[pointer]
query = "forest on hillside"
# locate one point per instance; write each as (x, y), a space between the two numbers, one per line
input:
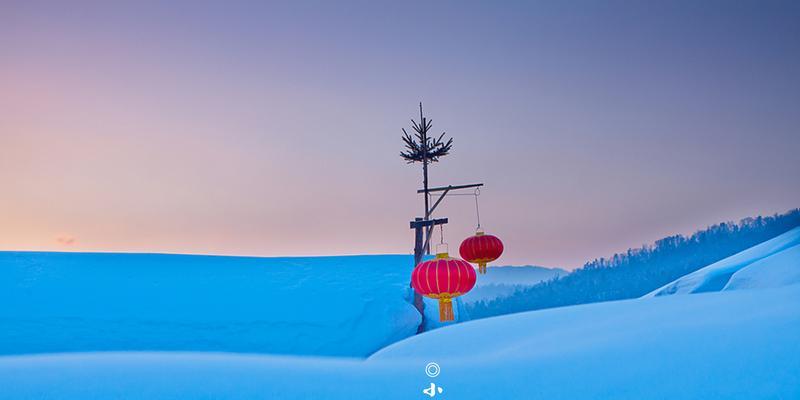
(637, 272)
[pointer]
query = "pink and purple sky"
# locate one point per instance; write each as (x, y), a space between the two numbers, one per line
(268, 129)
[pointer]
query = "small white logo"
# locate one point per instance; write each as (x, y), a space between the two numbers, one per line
(432, 390)
(432, 370)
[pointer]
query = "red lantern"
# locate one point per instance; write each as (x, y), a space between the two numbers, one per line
(481, 249)
(443, 278)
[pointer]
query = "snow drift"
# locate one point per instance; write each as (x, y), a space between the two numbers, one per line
(62, 302)
(773, 263)
(779, 269)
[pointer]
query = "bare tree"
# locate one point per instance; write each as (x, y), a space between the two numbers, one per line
(423, 148)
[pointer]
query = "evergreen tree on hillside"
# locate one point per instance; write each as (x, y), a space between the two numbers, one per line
(640, 271)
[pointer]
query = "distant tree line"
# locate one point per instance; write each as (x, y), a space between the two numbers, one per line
(640, 271)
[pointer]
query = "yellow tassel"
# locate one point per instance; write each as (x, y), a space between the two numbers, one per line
(482, 268)
(446, 309)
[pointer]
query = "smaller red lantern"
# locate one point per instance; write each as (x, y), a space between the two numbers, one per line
(443, 278)
(481, 249)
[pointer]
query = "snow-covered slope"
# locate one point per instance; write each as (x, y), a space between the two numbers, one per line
(497, 282)
(61, 302)
(732, 345)
(769, 264)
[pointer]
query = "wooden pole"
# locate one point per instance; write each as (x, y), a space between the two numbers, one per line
(419, 304)
(418, 224)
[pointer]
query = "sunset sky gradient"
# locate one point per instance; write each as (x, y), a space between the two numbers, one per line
(267, 129)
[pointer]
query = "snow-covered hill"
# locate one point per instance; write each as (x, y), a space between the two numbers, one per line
(773, 263)
(61, 302)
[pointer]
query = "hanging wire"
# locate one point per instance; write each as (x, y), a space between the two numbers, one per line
(476, 193)
(477, 209)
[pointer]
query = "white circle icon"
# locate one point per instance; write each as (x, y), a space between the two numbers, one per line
(432, 370)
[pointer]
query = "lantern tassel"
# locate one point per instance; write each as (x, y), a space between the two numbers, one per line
(482, 268)
(446, 309)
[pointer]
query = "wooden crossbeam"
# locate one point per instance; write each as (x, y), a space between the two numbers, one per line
(423, 223)
(451, 187)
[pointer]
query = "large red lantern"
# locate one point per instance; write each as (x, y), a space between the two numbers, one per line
(443, 278)
(481, 249)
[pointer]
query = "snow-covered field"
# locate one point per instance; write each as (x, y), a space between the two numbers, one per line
(343, 306)
(731, 344)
